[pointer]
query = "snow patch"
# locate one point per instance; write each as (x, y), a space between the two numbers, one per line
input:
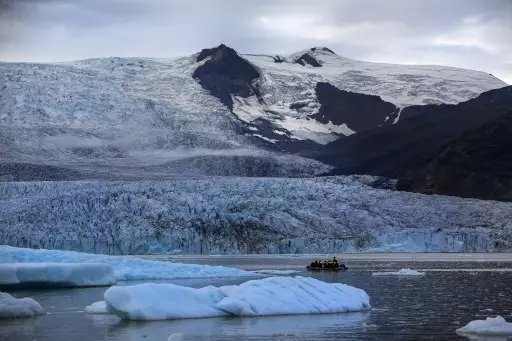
(269, 296)
(265, 138)
(56, 274)
(11, 307)
(490, 326)
(124, 267)
(97, 308)
(402, 272)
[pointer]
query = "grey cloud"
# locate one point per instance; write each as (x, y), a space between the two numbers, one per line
(465, 33)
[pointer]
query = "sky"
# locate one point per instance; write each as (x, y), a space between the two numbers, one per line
(473, 34)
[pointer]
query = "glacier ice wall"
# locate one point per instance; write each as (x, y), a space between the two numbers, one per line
(246, 215)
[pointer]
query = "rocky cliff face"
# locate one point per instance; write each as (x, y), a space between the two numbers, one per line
(477, 164)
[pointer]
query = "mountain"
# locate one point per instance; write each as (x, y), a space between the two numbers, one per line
(476, 164)
(217, 112)
(394, 149)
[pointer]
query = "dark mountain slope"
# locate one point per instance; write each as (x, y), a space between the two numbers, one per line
(225, 73)
(422, 130)
(477, 164)
(359, 112)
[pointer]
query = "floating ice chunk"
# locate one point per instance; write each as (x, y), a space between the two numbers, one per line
(369, 326)
(403, 272)
(11, 307)
(125, 267)
(276, 272)
(490, 326)
(56, 274)
(97, 308)
(175, 337)
(269, 296)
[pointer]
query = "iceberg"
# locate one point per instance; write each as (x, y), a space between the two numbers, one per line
(97, 308)
(490, 326)
(268, 296)
(402, 272)
(11, 307)
(56, 274)
(124, 267)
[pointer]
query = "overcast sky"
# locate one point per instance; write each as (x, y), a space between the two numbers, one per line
(475, 34)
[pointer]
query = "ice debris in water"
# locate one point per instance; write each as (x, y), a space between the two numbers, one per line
(97, 308)
(276, 272)
(490, 326)
(175, 337)
(268, 296)
(402, 272)
(11, 307)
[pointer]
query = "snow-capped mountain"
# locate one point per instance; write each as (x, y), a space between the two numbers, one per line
(216, 112)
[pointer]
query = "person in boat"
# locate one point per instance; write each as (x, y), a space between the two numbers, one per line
(335, 263)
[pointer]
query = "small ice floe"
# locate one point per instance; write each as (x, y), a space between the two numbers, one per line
(276, 272)
(369, 326)
(175, 337)
(268, 296)
(403, 272)
(97, 308)
(492, 326)
(11, 307)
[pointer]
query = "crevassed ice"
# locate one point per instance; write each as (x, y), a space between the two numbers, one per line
(269, 296)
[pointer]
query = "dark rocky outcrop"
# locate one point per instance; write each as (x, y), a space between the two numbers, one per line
(392, 150)
(477, 164)
(307, 59)
(225, 73)
(358, 111)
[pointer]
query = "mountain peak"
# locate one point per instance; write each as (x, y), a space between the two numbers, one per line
(322, 48)
(218, 52)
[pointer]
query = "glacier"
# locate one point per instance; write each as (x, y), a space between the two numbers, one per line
(148, 118)
(11, 307)
(224, 215)
(269, 296)
(94, 269)
(55, 274)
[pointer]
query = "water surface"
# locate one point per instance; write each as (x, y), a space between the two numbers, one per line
(428, 308)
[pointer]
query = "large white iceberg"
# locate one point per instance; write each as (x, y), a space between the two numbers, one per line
(124, 267)
(269, 296)
(490, 326)
(402, 272)
(11, 307)
(56, 274)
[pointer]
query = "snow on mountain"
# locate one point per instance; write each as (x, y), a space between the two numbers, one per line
(126, 118)
(247, 215)
(213, 113)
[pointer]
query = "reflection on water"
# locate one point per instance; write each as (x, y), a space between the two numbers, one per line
(429, 308)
